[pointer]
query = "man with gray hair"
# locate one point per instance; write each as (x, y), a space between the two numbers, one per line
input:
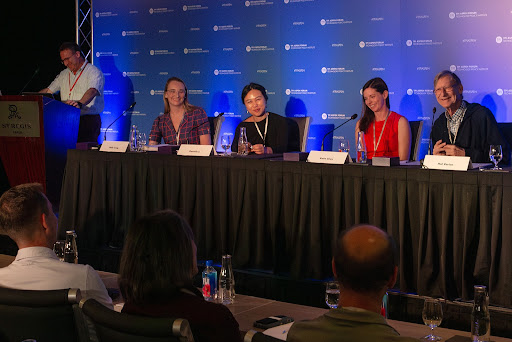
(365, 266)
(26, 216)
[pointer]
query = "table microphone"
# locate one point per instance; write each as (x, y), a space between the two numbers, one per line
(354, 116)
(127, 109)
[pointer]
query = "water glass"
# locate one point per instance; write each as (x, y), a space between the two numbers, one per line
(58, 248)
(141, 139)
(495, 154)
(432, 316)
(225, 142)
(332, 294)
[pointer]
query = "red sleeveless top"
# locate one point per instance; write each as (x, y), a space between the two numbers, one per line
(388, 145)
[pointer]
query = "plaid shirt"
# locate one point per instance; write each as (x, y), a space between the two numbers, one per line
(194, 124)
(453, 122)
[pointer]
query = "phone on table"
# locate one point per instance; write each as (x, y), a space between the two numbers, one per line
(272, 321)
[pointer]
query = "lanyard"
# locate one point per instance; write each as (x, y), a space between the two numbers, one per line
(381, 132)
(264, 136)
(69, 80)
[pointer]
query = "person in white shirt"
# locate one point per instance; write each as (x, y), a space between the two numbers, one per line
(26, 216)
(80, 85)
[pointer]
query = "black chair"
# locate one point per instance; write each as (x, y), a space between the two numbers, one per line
(416, 130)
(506, 131)
(51, 315)
(256, 336)
(303, 123)
(111, 326)
(215, 125)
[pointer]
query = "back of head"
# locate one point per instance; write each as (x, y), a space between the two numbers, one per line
(365, 259)
(20, 209)
(157, 258)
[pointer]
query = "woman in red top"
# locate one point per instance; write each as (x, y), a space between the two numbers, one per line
(386, 133)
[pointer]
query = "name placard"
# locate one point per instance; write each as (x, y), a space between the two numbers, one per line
(19, 119)
(195, 150)
(328, 157)
(452, 163)
(114, 146)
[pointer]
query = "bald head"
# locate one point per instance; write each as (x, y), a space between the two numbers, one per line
(365, 258)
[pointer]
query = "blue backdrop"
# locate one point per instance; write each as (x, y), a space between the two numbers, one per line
(313, 56)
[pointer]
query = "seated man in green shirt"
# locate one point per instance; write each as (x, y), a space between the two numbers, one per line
(365, 266)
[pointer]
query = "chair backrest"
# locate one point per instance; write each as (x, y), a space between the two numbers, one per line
(256, 336)
(506, 131)
(416, 130)
(41, 315)
(215, 125)
(112, 326)
(303, 123)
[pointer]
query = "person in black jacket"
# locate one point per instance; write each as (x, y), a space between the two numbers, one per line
(464, 129)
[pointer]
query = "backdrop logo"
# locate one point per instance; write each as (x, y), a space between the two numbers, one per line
(287, 47)
(150, 11)
(287, 92)
(338, 21)
(152, 92)
(499, 92)
(217, 72)
(379, 43)
(324, 70)
(258, 48)
(499, 39)
(361, 44)
(299, 47)
(408, 42)
(451, 15)
(335, 70)
(215, 28)
(248, 48)
(195, 50)
(124, 73)
(324, 116)
(409, 92)
(322, 22)
(453, 68)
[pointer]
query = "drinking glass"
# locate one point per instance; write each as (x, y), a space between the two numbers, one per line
(332, 294)
(344, 146)
(225, 142)
(432, 316)
(141, 142)
(58, 248)
(495, 154)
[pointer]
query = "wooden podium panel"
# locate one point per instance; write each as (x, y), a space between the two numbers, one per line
(35, 134)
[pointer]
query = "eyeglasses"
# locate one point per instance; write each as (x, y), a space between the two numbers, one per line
(65, 59)
(173, 92)
(442, 90)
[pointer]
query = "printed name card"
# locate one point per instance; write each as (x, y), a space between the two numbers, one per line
(452, 163)
(114, 146)
(195, 150)
(328, 157)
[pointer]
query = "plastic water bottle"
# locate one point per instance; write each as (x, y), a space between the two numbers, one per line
(209, 282)
(226, 281)
(361, 148)
(480, 319)
(133, 138)
(70, 248)
(243, 143)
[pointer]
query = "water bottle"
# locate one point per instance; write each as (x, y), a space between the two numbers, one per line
(243, 144)
(361, 148)
(209, 282)
(226, 281)
(133, 138)
(70, 248)
(480, 319)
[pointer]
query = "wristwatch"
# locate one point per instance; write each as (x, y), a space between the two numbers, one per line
(79, 104)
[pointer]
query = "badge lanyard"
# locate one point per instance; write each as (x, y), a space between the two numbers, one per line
(381, 132)
(264, 136)
(69, 80)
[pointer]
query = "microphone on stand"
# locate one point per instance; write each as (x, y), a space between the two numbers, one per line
(31, 78)
(354, 116)
(430, 142)
(197, 126)
(127, 109)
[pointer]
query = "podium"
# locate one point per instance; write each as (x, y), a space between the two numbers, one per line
(35, 134)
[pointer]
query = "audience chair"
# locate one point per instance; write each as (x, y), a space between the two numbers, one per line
(105, 325)
(416, 130)
(303, 123)
(256, 336)
(215, 125)
(51, 315)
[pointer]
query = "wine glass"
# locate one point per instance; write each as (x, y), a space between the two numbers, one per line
(225, 142)
(495, 154)
(332, 294)
(141, 137)
(344, 146)
(432, 316)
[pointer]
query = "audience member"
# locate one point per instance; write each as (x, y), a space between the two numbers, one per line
(26, 216)
(365, 266)
(155, 277)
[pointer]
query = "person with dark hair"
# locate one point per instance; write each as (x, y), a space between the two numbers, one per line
(266, 132)
(386, 133)
(181, 123)
(158, 264)
(80, 85)
(365, 265)
(26, 216)
(464, 129)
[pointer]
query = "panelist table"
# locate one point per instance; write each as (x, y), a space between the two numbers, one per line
(453, 229)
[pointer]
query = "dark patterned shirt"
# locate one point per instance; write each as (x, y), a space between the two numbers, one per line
(194, 124)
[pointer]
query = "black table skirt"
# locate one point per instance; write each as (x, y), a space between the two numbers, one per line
(453, 229)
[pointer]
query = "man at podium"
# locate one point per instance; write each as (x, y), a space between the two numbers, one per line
(80, 85)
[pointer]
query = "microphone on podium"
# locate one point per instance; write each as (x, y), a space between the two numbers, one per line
(31, 78)
(354, 116)
(127, 109)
